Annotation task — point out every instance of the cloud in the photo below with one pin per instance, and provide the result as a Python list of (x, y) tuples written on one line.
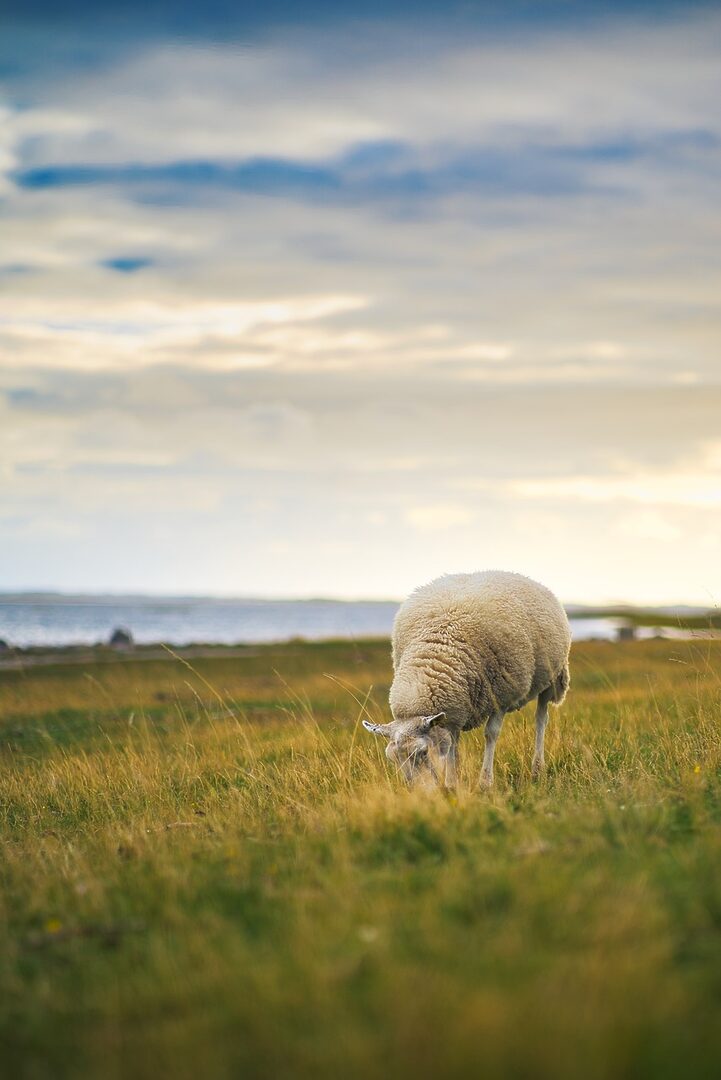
[(414, 441), (438, 517), (383, 300), (649, 525), (144, 332), (391, 113), (509, 171), (701, 488)]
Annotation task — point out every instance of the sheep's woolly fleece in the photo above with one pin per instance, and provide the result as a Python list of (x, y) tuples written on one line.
[(475, 645)]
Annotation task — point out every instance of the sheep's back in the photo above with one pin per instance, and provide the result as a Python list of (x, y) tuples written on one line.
[(506, 636)]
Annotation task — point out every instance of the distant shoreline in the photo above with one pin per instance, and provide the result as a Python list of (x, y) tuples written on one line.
[(574, 610), (42, 596), (32, 624)]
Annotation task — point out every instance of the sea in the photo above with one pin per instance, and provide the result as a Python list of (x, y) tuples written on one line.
[(61, 620)]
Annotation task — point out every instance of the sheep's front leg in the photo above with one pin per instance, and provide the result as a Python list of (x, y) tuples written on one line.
[(451, 764), (492, 731), (539, 762)]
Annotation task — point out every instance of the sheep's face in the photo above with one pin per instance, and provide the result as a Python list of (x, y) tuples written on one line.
[(417, 747)]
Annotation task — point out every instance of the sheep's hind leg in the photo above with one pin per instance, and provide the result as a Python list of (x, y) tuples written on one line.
[(492, 731), (539, 761)]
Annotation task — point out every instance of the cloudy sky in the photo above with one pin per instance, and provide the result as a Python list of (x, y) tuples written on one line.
[(295, 302)]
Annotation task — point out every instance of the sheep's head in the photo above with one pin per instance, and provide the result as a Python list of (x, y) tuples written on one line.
[(417, 747)]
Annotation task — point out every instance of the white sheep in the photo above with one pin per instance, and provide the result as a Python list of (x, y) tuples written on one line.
[(467, 649)]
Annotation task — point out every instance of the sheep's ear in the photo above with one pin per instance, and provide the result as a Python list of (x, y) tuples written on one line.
[(431, 721), (379, 729)]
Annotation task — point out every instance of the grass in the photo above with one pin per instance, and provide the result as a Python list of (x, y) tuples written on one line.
[(663, 620), (212, 873)]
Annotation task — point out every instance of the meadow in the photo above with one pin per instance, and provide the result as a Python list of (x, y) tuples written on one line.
[(207, 869)]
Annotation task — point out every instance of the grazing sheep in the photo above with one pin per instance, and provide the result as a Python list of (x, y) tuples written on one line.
[(467, 649)]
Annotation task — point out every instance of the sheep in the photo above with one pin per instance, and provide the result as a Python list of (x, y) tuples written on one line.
[(467, 649)]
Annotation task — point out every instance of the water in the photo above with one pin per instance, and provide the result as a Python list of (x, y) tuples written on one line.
[(87, 620)]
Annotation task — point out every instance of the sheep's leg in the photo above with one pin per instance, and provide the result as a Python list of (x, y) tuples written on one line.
[(451, 764), (492, 731), (539, 762)]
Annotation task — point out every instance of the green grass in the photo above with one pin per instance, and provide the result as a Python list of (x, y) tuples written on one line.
[(663, 620), (212, 873)]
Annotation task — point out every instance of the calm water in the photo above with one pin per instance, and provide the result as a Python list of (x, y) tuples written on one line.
[(177, 621), (87, 620)]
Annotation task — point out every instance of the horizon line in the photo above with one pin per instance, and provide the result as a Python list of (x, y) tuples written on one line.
[(81, 596)]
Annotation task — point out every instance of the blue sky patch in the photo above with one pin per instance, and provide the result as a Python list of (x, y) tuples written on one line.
[(127, 264)]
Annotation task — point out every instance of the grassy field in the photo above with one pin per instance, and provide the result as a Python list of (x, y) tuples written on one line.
[(212, 873)]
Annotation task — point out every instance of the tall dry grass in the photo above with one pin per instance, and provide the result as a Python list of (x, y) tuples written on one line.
[(213, 872)]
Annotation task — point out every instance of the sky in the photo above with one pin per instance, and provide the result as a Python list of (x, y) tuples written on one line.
[(302, 300)]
